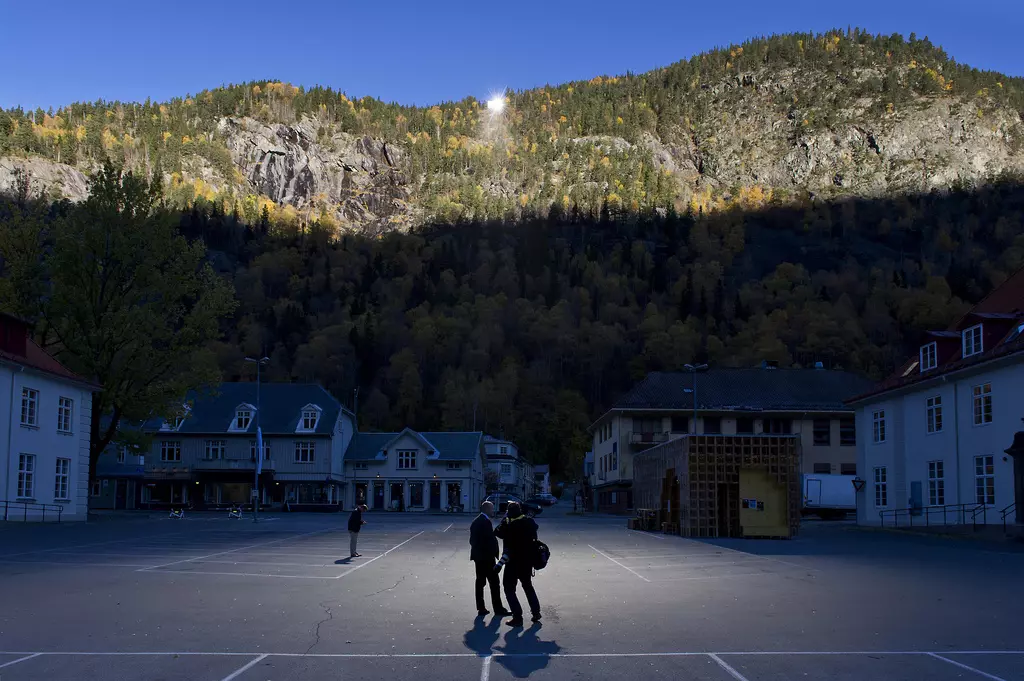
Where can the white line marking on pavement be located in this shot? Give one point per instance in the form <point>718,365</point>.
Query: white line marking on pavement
<point>619,564</point>
<point>241,548</point>
<point>646,534</point>
<point>20,659</point>
<point>732,672</point>
<point>447,528</point>
<point>233,574</point>
<point>362,565</point>
<point>485,671</point>
<point>80,546</point>
<point>238,672</point>
<point>70,563</point>
<point>269,564</point>
<point>968,668</point>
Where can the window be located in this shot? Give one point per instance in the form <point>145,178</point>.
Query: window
<point>170,450</point>
<point>822,468</point>
<point>122,454</point>
<point>712,425</point>
<point>928,357</point>
<point>252,450</point>
<point>881,488</point>
<point>982,404</point>
<point>506,469</point>
<point>215,449</point>
<point>847,433</point>
<point>504,449</point>
<point>935,414</point>
<point>94,488</point>
<point>454,465</point>
<point>680,424</point>
<point>62,481</point>
<point>936,484</point>
<point>777,426</point>
<point>878,426</point>
<point>416,494</point>
<point>745,426</point>
<point>848,469</point>
<point>822,432</point>
<point>29,407</point>
<point>648,425</point>
<point>406,458</point>
<point>305,452</point>
<point>243,417</point>
<point>65,409</point>
<point>972,341</point>
<point>984,480</point>
<point>310,417</point>
<point>26,475</point>
<point>360,466</point>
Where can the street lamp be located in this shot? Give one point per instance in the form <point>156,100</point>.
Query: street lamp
<point>693,369</point>
<point>258,463</point>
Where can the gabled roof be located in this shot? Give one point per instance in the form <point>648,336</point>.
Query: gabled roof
<point>746,390</point>
<point>213,411</point>
<point>37,358</point>
<point>427,445</point>
<point>449,446</point>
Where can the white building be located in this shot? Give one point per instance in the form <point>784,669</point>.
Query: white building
<point>45,417</point>
<point>932,437</point>
<point>507,469</point>
<point>542,479</point>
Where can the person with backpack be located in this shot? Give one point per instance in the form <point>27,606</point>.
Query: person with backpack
<point>355,523</point>
<point>520,556</point>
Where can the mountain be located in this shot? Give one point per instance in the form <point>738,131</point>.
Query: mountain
<point>771,121</point>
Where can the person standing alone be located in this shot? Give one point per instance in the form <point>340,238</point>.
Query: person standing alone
<point>484,554</point>
<point>519,533</point>
<point>355,523</point>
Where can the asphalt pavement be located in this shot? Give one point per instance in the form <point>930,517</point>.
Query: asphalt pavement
<point>146,597</point>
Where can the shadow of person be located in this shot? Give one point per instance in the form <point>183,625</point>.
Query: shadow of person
<point>524,652</point>
<point>482,637</point>
<point>343,561</point>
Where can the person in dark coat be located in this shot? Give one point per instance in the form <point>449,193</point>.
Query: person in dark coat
<point>484,554</point>
<point>519,533</point>
<point>355,523</point>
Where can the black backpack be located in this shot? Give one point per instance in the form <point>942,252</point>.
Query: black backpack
<point>541,554</point>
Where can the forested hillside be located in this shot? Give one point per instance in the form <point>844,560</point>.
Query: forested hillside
<point>759,124</point>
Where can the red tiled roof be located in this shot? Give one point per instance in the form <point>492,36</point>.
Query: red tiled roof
<point>37,358</point>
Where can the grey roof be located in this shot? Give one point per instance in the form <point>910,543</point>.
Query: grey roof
<point>450,446</point>
<point>748,389</point>
<point>212,411</point>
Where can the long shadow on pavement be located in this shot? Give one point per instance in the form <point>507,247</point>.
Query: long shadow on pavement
<point>482,637</point>
<point>531,653</point>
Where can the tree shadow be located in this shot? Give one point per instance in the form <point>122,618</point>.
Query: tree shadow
<point>482,637</point>
<point>524,652</point>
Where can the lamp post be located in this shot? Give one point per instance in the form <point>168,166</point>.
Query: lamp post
<point>693,369</point>
<point>258,463</point>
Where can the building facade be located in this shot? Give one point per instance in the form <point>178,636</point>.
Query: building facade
<point>413,471</point>
<point>206,457</point>
<point>807,403</point>
<point>506,468</point>
<point>45,425</point>
<point>932,437</point>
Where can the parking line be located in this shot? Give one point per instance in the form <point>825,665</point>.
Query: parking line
<point>244,669</point>
<point>192,653</point>
<point>447,528</point>
<point>71,562</point>
<point>618,563</point>
<point>362,565</point>
<point>967,667</point>
<point>20,659</point>
<point>232,574</point>
<point>485,671</point>
<point>646,534</point>
<point>728,668</point>
<point>241,548</point>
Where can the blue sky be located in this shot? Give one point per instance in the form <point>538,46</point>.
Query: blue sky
<point>420,53</point>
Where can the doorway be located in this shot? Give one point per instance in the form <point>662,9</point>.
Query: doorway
<point>435,496</point>
<point>378,496</point>
<point>454,494</point>
<point>360,493</point>
<point>397,496</point>
<point>121,494</point>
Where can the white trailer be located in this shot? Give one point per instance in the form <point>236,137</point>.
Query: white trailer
<point>829,496</point>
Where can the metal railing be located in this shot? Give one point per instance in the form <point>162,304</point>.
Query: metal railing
<point>23,507</point>
<point>957,513</point>
<point>1012,508</point>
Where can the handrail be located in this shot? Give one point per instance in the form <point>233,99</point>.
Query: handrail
<point>983,509</point>
<point>26,505</point>
<point>1007,511</point>
<point>948,511</point>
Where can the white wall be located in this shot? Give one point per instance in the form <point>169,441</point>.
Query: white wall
<point>44,441</point>
<point>909,446</point>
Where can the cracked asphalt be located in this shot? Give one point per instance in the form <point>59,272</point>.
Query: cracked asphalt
<point>209,598</point>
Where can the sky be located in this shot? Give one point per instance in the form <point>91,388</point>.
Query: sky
<point>417,52</point>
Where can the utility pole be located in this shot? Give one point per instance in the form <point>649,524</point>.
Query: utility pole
<point>258,462</point>
<point>693,369</point>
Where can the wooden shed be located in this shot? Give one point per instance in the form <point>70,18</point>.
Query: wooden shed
<point>722,485</point>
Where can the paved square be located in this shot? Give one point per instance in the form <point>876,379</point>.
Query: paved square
<point>145,597</point>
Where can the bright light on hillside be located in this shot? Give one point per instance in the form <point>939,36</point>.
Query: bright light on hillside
<point>496,104</point>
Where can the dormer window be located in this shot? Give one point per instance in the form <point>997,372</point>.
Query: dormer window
<point>243,418</point>
<point>308,419</point>
<point>972,341</point>
<point>928,357</point>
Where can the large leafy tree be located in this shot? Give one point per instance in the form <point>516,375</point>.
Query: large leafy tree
<point>124,300</point>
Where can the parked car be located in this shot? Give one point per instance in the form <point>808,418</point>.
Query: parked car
<point>543,499</point>
<point>500,502</point>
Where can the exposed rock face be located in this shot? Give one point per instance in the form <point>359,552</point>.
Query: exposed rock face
<point>45,178</point>
<point>359,179</point>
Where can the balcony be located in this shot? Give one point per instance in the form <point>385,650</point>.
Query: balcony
<point>231,464</point>
<point>642,441</point>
